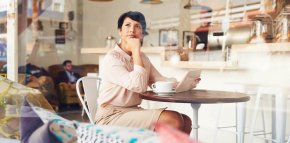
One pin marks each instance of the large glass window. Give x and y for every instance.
(51, 31)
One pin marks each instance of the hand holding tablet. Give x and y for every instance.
(188, 82)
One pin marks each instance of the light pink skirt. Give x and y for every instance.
(127, 116)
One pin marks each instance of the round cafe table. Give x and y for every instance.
(196, 98)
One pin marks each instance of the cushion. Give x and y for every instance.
(63, 130)
(42, 135)
(28, 121)
(43, 126)
(10, 106)
(40, 125)
(103, 133)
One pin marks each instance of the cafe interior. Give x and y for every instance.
(240, 46)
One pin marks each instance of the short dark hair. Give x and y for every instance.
(134, 15)
(66, 62)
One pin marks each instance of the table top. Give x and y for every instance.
(198, 96)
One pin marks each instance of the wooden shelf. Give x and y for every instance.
(262, 47)
(210, 65)
(101, 50)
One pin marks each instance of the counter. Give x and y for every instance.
(159, 51)
(262, 47)
(231, 64)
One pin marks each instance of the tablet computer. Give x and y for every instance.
(187, 82)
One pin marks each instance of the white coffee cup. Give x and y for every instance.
(199, 46)
(92, 74)
(163, 86)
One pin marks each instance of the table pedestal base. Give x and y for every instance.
(195, 126)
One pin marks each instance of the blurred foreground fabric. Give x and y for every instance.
(40, 123)
(11, 98)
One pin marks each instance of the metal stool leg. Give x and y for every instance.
(254, 118)
(263, 121)
(217, 123)
(250, 89)
(280, 107)
(83, 109)
(288, 140)
(240, 119)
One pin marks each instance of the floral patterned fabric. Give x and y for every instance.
(114, 134)
(11, 98)
(67, 131)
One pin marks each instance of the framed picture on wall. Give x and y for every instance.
(63, 25)
(59, 36)
(3, 27)
(168, 37)
(187, 38)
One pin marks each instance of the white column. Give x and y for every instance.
(225, 27)
(12, 40)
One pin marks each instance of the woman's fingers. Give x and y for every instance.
(197, 80)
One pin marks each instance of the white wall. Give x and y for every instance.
(100, 19)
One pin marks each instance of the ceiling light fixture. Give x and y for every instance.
(100, 0)
(151, 1)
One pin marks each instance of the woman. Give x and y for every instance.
(127, 72)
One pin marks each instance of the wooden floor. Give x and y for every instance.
(73, 112)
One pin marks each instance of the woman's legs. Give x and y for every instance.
(176, 120)
(187, 127)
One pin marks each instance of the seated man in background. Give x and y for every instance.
(67, 75)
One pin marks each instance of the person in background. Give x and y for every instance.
(126, 72)
(67, 75)
(39, 78)
(201, 33)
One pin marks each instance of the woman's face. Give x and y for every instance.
(131, 29)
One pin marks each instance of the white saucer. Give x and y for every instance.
(165, 93)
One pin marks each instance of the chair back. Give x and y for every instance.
(91, 86)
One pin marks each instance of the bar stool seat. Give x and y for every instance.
(279, 107)
(250, 89)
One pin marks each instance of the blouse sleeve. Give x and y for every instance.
(116, 71)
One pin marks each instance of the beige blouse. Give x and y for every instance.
(122, 81)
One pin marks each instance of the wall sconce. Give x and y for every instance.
(151, 1)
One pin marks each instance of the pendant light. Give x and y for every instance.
(192, 4)
(100, 0)
(151, 1)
